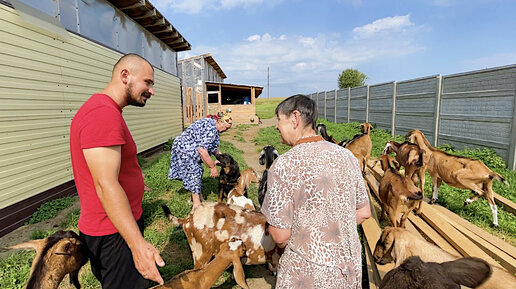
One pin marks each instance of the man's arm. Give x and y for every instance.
(104, 165)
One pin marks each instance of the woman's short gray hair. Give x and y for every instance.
(302, 103)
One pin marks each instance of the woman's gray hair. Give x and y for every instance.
(302, 103)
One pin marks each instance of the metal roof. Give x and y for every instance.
(210, 60)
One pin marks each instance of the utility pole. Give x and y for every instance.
(267, 84)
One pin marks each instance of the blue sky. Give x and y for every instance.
(307, 43)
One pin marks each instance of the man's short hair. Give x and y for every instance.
(302, 103)
(128, 57)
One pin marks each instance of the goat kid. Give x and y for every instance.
(395, 191)
(229, 174)
(211, 224)
(321, 129)
(229, 254)
(459, 172)
(361, 146)
(60, 254)
(416, 274)
(397, 244)
(267, 157)
(237, 195)
(411, 157)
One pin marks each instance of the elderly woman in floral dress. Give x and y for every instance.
(193, 147)
(315, 199)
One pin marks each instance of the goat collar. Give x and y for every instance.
(312, 138)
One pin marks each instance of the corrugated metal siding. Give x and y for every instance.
(320, 103)
(342, 106)
(415, 106)
(477, 109)
(358, 106)
(380, 105)
(43, 82)
(330, 105)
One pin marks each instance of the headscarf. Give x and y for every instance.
(226, 118)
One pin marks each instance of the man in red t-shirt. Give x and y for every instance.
(109, 180)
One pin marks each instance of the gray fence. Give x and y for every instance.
(473, 109)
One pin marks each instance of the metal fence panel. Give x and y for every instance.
(342, 106)
(415, 106)
(380, 105)
(320, 104)
(330, 105)
(358, 104)
(477, 109)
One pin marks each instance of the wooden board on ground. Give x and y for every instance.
(506, 204)
(431, 234)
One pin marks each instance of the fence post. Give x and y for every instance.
(394, 93)
(511, 164)
(335, 113)
(325, 116)
(349, 103)
(367, 105)
(437, 112)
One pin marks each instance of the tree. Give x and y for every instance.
(351, 78)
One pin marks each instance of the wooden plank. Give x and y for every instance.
(432, 235)
(506, 204)
(372, 272)
(480, 233)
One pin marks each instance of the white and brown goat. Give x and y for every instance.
(361, 146)
(211, 224)
(60, 254)
(396, 191)
(416, 274)
(459, 172)
(229, 254)
(412, 158)
(267, 157)
(237, 195)
(397, 244)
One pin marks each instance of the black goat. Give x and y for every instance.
(321, 129)
(416, 274)
(229, 174)
(267, 157)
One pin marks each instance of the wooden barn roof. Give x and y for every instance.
(210, 60)
(258, 89)
(144, 13)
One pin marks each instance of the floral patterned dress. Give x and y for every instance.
(315, 189)
(185, 161)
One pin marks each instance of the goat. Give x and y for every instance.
(411, 157)
(229, 174)
(321, 129)
(416, 274)
(397, 244)
(60, 254)
(361, 146)
(267, 157)
(459, 172)
(396, 190)
(230, 253)
(237, 195)
(211, 224)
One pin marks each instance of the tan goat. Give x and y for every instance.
(60, 254)
(361, 146)
(459, 172)
(237, 195)
(211, 224)
(397, 244)
(230, 253)
(396, 191)
(411, 157)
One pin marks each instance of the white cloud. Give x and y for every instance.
(252, 38)
(197, 6)
(387, 24)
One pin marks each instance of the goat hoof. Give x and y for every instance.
(432, 201)
(494, 226)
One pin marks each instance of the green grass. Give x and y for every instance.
(51, 209)
(265, 108)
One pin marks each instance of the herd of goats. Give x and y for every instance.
(233, 233)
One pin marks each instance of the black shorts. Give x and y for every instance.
(112, 262)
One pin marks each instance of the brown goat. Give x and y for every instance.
(211, 224)
(397, 244)
(395, 191)
(230, 253)
(411, 157)
(459, 172)
(237, 195)
(361, 146)
(416, 274)
(60, 254)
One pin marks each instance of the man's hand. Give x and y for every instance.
(145, 258)
(213, 172)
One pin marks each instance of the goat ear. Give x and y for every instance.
(399, 251)
(261, 160)
(470, 272)
(34, 245)
(276, 154)
(238, 272)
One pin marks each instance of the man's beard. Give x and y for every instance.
(133, 101)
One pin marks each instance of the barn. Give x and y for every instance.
(55, 54)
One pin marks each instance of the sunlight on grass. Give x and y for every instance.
(265, 108)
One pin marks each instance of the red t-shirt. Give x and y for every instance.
(99, 123)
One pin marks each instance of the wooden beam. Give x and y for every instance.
(506, 204)
(157, 22)
(141, 3)
(150, 13)
(431, 234)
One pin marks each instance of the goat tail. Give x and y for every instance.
(175, 221)
(497, 176)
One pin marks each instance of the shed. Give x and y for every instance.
(50, 65)
(204, 91)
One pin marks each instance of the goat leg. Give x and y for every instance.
(74, 279)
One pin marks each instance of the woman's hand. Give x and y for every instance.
(213, 172)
